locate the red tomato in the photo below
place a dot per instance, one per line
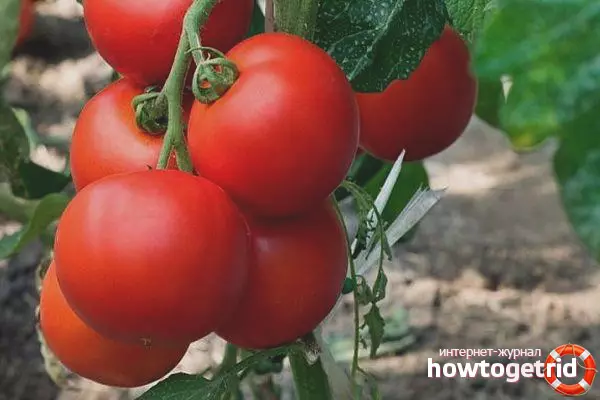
(284, 135)
(91, 355)
(157, 256)
(26, 19)
(426, 113)
(139, 38)
(106, 139)
(296, 274)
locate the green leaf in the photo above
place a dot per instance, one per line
(376, 324)
(577, 167)
(490, 99)
(37, 181)
(412, 177)
(28, 180)
(468, 16)
(364, 294)
(14, 146)
(376, 42)
(47, 211)
(9, 27)
(183, 387)
(379, 286)
(257, 24)
(549, 50)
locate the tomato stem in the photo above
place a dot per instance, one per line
(354, 278)
(172, 91)
(310, 379)
(298, 17)
(214, 73)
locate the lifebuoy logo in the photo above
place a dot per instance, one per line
(561, 374)
(553, 370)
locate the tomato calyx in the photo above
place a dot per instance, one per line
(214, 74)
(151, 111)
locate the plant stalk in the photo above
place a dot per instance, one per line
(298, 17)
(194, 19)
(310, 380)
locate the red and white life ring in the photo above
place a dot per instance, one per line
(576, 389)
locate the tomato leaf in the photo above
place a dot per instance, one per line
(490, 99)
(380, 286)
(28, 180)
(577, 167)
(412, 177)
(468, 16)
(9, 26)
(375, 324)
(376, 42)
(14, 147)
(47, 211)
(183, 387)
(549, 50)
(37, 181)
(257, 24)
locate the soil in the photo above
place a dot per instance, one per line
(494, 265)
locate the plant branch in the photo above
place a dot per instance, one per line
(310, 379)
(13, 207)
(354, 277)
(298, 17)
(194, 19)
(269, 16)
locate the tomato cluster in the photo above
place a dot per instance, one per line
(249, 245)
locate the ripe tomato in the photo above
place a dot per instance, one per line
(284, 135)
(138, 38)
(26, 19)
(93, 356)
(296, 273)
(157, 256)
(426, 113)
(106, 139)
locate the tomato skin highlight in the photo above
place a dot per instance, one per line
(26, 20)
(106, 139)
(426, 113)
(285, 134)
(296, 273)
(163, 254)
(139, 38)
(93, 356)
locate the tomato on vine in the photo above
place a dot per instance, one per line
(153, 256)
(425, 113)
(296, 273)
(284, 135)
(107, 140)
(92, 356)
(138, 38)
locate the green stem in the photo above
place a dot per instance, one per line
(356, 310)
(250, 361)
(194, 19)
(310, 380)
(172, 90)
(15, 208)
(298, 17)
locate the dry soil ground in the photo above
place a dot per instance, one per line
(494, 265)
